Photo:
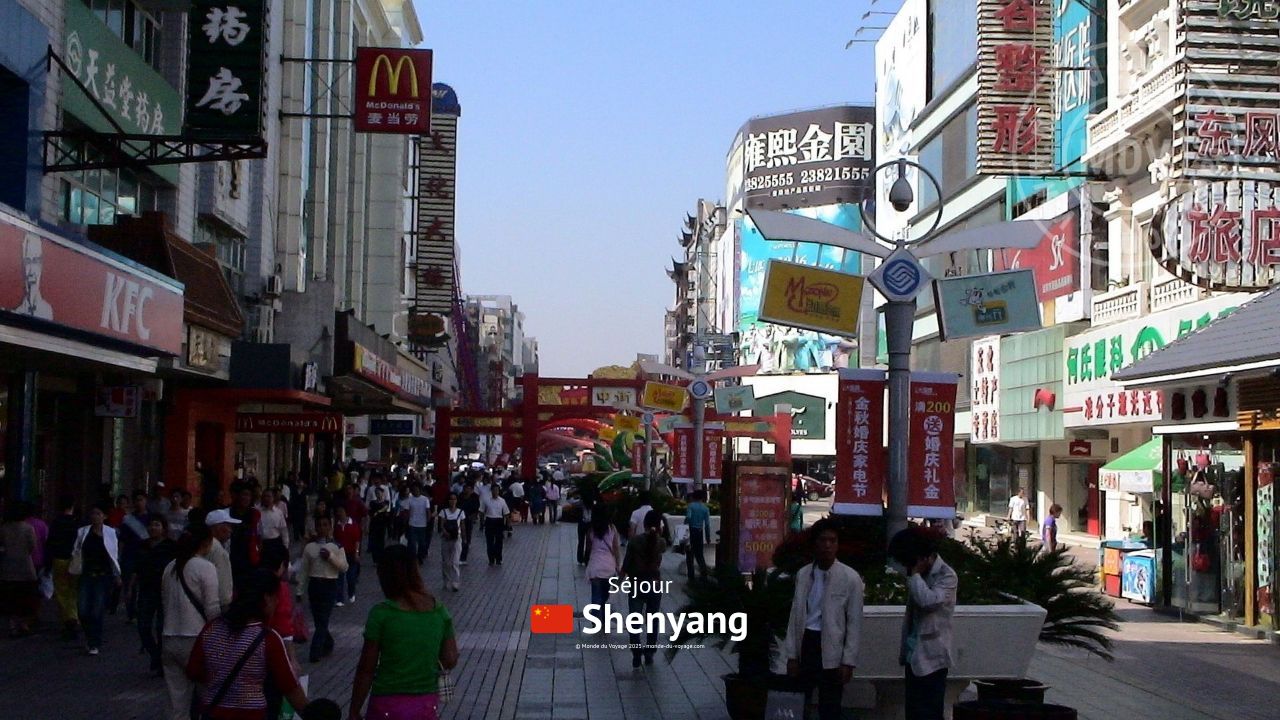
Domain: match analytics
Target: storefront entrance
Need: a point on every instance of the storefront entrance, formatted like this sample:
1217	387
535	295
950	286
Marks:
1207	514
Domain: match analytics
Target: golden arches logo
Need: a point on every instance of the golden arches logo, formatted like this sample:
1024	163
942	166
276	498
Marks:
393	75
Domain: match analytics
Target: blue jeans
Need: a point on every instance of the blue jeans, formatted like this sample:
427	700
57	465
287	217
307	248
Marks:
599	591
644	602
95	590
419	542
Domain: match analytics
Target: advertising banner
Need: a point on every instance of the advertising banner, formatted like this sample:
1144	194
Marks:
762	514
902	83
712	453
661	396
682	455
860	452
1055	261
435	251
225	46
735	398
1015	87
393	91
811	298
778	349
984	396
44	277
809	158
991	304
930	487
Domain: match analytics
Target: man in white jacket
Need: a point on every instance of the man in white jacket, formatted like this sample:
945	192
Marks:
926	629
821	646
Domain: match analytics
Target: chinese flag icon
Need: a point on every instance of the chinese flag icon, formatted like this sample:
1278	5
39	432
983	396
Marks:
551	618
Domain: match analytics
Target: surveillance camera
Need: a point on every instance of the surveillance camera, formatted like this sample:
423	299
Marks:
900	195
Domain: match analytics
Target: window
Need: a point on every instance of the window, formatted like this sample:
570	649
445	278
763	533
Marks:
951	155
953	42
228	247
96	197
135	27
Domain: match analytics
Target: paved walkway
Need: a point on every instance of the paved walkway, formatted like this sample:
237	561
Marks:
1165	669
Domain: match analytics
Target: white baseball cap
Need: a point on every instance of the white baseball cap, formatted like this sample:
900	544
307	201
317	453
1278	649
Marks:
218	517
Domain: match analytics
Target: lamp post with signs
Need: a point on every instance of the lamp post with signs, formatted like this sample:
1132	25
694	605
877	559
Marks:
900	278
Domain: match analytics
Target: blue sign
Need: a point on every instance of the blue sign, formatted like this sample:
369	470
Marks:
900	278
991	304
386	426
1138	576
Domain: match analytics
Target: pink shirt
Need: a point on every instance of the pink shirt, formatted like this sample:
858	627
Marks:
603	563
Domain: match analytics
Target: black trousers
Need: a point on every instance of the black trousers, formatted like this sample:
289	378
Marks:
583	530
323	593
695	553
493	530
926	695
813	675
468	530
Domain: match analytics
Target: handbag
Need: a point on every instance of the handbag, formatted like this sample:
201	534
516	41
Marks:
231	677
444	686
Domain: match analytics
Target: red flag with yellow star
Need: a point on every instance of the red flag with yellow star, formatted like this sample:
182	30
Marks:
551	618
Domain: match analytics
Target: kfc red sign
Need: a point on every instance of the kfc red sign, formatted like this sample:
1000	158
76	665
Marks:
1056	260
51	279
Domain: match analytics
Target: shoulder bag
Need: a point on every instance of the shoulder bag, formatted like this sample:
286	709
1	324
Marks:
195	601
231	677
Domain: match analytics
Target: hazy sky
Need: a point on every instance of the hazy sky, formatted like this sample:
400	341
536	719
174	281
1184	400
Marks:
589	129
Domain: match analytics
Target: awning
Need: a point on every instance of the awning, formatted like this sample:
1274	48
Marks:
1137	471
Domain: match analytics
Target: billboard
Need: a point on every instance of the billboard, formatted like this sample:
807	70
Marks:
809	158
1015	87
811	298
779	349
435	249
902	82
224	68
393	91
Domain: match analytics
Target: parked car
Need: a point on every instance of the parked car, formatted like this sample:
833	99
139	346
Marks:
815	489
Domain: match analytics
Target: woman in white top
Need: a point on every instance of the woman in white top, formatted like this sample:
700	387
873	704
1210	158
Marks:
273	525
450	524
189	592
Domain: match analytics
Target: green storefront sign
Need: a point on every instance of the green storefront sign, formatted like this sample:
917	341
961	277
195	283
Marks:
132	93
808	413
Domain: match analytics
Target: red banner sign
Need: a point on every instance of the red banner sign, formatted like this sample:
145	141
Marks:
45	277
930	489
393	91
682	455
1056	260
860	459
762	514
288	422
712	455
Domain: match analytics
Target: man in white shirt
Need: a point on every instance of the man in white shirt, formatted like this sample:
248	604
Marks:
825	625
637	517
419	507
220	522
273	528
1018	513
495	523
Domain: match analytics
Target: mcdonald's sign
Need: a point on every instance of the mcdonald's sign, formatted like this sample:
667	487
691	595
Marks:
393	91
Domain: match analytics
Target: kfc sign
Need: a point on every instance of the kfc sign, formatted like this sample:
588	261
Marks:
393	91
1056	260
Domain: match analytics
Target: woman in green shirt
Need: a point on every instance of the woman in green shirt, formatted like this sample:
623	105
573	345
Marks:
408	640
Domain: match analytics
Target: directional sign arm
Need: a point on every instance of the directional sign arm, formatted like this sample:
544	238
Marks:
739	371
656	368
1020	234
776	225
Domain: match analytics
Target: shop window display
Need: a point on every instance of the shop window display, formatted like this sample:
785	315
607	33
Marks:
1207	516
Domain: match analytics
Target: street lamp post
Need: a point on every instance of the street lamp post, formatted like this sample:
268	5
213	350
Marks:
900	278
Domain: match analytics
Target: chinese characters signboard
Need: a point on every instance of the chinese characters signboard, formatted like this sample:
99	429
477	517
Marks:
811	298
1015	87
661	396
393	91
811	158
984	396
762	514
1222	235
992	304
712	453
930	485
1090	397
613	397
434	248
224	67
860	460
390	376
1056	260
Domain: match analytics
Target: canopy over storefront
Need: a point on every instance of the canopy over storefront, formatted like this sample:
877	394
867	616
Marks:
1137	471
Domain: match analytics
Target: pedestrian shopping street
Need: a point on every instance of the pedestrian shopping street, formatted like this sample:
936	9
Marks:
1164	670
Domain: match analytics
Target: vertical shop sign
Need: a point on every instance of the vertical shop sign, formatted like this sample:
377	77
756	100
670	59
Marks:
712	453
860	443
984	396
1015	87
931	489
762	514
224	67
435	251
682	455
393	91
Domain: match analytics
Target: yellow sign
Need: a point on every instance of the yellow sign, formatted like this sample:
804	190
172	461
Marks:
629	423
661	396
393	75
607	434
811	298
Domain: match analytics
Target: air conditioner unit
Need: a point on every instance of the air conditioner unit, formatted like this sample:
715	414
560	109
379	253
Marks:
274	287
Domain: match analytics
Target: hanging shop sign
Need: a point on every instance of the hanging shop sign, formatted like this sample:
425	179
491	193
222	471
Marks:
860	458
984	396
117	401
808	413
1015	87
435	256
288	422
203	348
225	41
391	426
992	304
811	298
931	485
762	514
386	374
45	277
424	329
661	396
810	158
1222	235
1090	397
393	90
735	398
1055	261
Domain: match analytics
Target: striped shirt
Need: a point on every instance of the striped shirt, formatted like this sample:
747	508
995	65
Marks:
217	650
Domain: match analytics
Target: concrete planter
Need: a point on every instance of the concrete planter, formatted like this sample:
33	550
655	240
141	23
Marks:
675	521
